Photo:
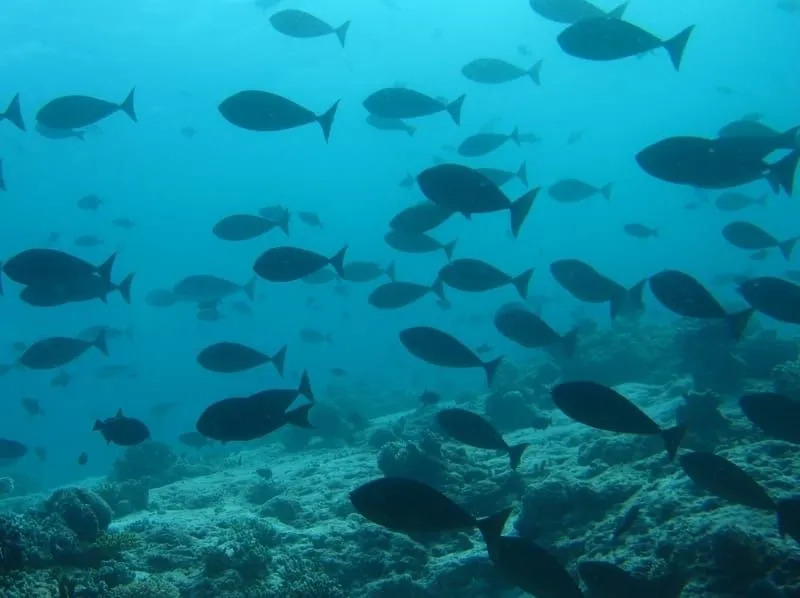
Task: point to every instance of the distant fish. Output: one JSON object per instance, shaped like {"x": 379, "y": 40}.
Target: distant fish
{"x": 161, "y": 409}
{"x": 685, "y": 296}
{"x": 419, "y": 218}
{"x": 83, "y": 459}
{"x": 397, "y": 294}
{"x": 525, "y": 328}
{"x": 11, "y": 450}
{"x": 367, "y": 271}
{"x": 570, "y": 11}
{"x": 428, "y": 397}
{"x": 321, "y": 276}
{"x": 209, "y": 289}
{"x": 481, "y": 144}
{"x": 285, "y": 264}
{"x": 726, "y": 480}
{"x": 61, "y": 380}
{"x": 603, "y": 408}
{"x": 227, "y": 357}
{"x": 586, "y": 284}
{"x": 90, "y": 202}
{"x": 493, "y": 71}
{"x": 54, "y": 352}
{"x": 122, "y": 430}
{"x": 602, "y": 38}
{"x": 476, "y": 276}
{"x": 296, "y": 23}
{"x": 123, "y": 222}
{"x": 264, "y": 111}
{"x": 31, "y": 406}
{"x": 408, "y": 182}
{"x": 338, "y": 372}
{"x": 747, "y": 127}
{"x": 188, "y": 131}
{"x": 640, "y": 231}
{"x": 733, "y": 201}
{"x": 242, "y": 308}
{"x": 116, "y": 370}
{"x": 13, "y": 113}
{"x": 391, "y": 124}
{"x": 441, "y": 349}
{"x": 310, "y": 218}
{"x": 500, "y": 177}
{"x": 417, "y": 243}
{"x": 746, "y": 235}
{"x": 775, "y": 297}
{"x": 243, "y": 227}
{"x": 315, "y": 337}
{"x": 77, "y": 112}
{"x": 573, "y": 190}
{"x": 575, "y": 136}
{"x": 465, "y": 190}
{"x": 160, "y": 298}
{"x": 472, "y": 429}
{"x": 88, "y": 241}
{"x": 483, "y": 348}
{"x": 403, "y": 103}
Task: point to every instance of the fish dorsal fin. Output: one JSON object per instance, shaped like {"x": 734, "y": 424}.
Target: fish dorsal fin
{"x": 119, "y": 413}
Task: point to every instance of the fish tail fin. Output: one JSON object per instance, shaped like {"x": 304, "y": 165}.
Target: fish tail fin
{"x": 780, "y": 175}
{"x": 104, "y": 269}
{"x": 249, "y": 288}
{"x": 305, "y": 387}
{"x": 675, "y": 46}
{"x": 448, "y": 249}
{"x": 127, "y": 106}
{"x": 738, "y": 321}
{"x": 279, "y": 359}
{"x": 789, "y": 139}
{"x": 535, "y": 71}
{"x": 514, "y": 136}
{"x": 454, "y": 108}
{"x": 786, "y": 247}
{"x": 635, "y": 295}
{"x": 569, "y": 341}
{"x": 391, "y": 272}
{"x": 283, "y": 223}
{"x": 341, "y": 32}
{"x": 605, "y": 191}
{"x": 438, "y": 288}
{"x": 100, "y": 342}
{"x": 325, "y": 120}
{"x": 515, "y": 453}
{"x": 522, "y": 173}
{"x": 299, "y": 417}
{"x": 337, "y": 261}
{"x": 14, "y": 113}
{"x": 618, "y": 11}
{"x": 521, "y": 282}
{"x": 491, "y": 369}
{"x": 672, "y": 439}
{"x": 125, "y": 288}
{"x": 519, "y": 210}
{"x": 98, "y": 425}
{"x": 491, "y": 527}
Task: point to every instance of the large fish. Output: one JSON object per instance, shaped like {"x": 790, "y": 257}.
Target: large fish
{"x": 243, "y": 227}
{"x": 11, "y": 449}
{"x": 746, "y": 235}
{"x": 228, "y": 357}
{"x": 726, "y": 480}
{"x": 777, "y": 415}
{"x": 481, "y": 144}
{"x": 473, "y": 430}
{"x": 122, "y": 430}
{"x": 208, "y": 289}
{"x": 420, "y": 218}
{"x": 285, "y": 264}
{"x": 403, "y": 103}
{"x": 417, "y": 243}
{"x": 13, "y": 113}
{"x": 77, "y": 112}
{"x": 476, "y": 276}
{"x": 50, "y": 267}
{"x": 775, "y": 297}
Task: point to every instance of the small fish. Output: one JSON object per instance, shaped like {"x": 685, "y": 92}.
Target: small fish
{"x": 242, "y": 308}
{"x": 726, "y": 480}
{"x": 83, "y": 459}
{"x": 518, "y": 324}
{"x": 573, "y": 190}
{"x": 640, "y": 231}
{"x": 53, "y": 352}
{"x": 188, "y": 131}
{"x": 404, "y": 103}
{"x": 122, "y": 430}
{"x": 88, "y": 241}
{"x": 299, "y": 24}
{"x": 471, "y": 275}
{"x": 392, "y": 124}
{"x": 775, "y": 297}
{"x": 205, "y": 289}
{"x": 90, "y": 202}
{"x": 585, "y": 283}
{"x": 483, "y": 348}
{"x": 428, "y": 397}
{"x": 285, "y": 264}
{"x": 243, "y": 227}
{"x": 123, "y": 222}
{"x": 500, "y": 177}
{"x": 49, "y": 133}
{"x": 161, "y": 409}
{"x": 408, "y": 181}
{"x": 310, "y": 218}
{"x": 394, "y": 295}
{"x": 338, "y": 372}
{"x": 11, "y": 449}
{"x": 484, "y": 143}
{"x": 472, "y": 429}
{"x": 32, "y": 406}
{"x": 61, "y": 380}
{"x": 733, "y": 201}
{"x": 210, "y": 315}
{"x": 417, "y": 243}
{"x": 420, "y": 217}
{"x": 494, "y": 71}
{"x": 194, "y": 439}
{"x": 40, "y": 453}
{"x": 367, "y": 271}
{"x": 77, "y": 112}
{"x": 746, "y": 235}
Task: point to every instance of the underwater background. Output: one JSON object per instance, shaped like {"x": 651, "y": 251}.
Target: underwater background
{"x": 182, "y": 167}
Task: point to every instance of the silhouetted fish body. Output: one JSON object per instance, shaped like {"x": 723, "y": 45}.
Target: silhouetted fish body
{"x": 77, "y": 112}
{"x": 243, "y": 227}
{"x": 394, "y": 295}
{"x": 285, "y": 264}
{"x": 774, "y": 297}
{"x": 525, "y": 328}
{"x": 726, "y": 480}
{"x": 586, "y": 284}
{"x": 473, "y": 430}
{"x": 477, "y": 276}
{"x": 417, "y": 243}
{"x": 494, "y": 71}
{"x": 11, "y": 449}
{"x": 746, "y": 235}
{"x": 122, "y": 430}
{"x": 570, "y": 11}
{"x": 403, "y": 103}
{"x": 53, "y": 352}
{"x": 777, "y": 415}
{"x": 300, "y": 24}
{"x": 420, "y": 218}
{"x": 227, "y": 357}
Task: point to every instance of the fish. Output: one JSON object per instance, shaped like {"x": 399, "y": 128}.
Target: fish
{"x": 481, "y": 144}
{"x": 606, "y": 580}
{"x": 733, "y": 201}
{"x": 285, "y": 264}
{"x": 53, "y": 352}
{"x": 123, "y": 222}
{"x": 439, "y": 348}
{"x": 471, "y": 429}
{"x": 367, "y": 271}
{"x": 684, "y": 295}
{"x": 49, "y": 267}
{"x": 159, "y": 410}
{"x": 41, "y": 453}
{"x": 775, "y": 297}
{"x": 188, "y": 131}
{"x": 257, "y": 110}
{"x": 522, "y": 326}
{"x": 575, "y": 136}
{"x": 88, "y": 241}
{"x": 122, "y": 430}
{"x": 570, "y": 11}
{"x": 396, "y": 294}
{"x": 746, "y": 235}
{"x": 419, "y": 218}
{"x": 640, "y": 231}
{"x": 494, "y": 71}
{"x": 255, "y": 416}
{"x": 465, "y": 190}
{"x": 31, "y": 406}
{"x": 228, "y": 357}
{"x": 90, "y": 202}
{"x": 573, "y": 190}
{"x": 296, "y": 23}
{"x": 404, "y": 103}
{"x": 13, "y": 113}
{"x": 11, "y": 449}
{"x": 75, "y": 291}
{"x": 585, "y": 283}
{"x": 483, "y": 348}
{"x": 603, "y": 408}
{"x": 417, "y": 243}
{"x": 61, "y": 380}
{"x": 160, "y": 298}
{"x": 747, "y": 127}
{"x": 83, "y": 459}
{"x": 476, "y": 276}
{"x": 428, "y": 397}
{"x": 601, "y": 38}
{"x": 309, "y": 335}
{"x": 500, "y": 177}
{"x": 338, "y": 372}
{"x": 776, "y": 415}
{"x": 209, "y": 289}
{"x": 49, "y": 133}
{"x": 311, "y": 219}
{"x": 391, "y": 124}
{"x": 531, "y": 568}
{"x": 78, "y": 111}
{"x": 194, "y": 440}
{"x": 408, "y": 506}
{"x": 243, "y": 227}
{"x": 726, "y": 480}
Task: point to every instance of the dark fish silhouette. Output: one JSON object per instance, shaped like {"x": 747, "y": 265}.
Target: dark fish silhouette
{"x": 573, "y": 190}
{"x": 77, "y": 290}
{"x": 465, "y": 190}
{"x": 481, "y": 144}
{"x": 256, "y": 110}
{"x": 586, "y": 284}
{"x": 420, "y": 217}
{"x": 500, "y": 177}
{"x": 394, "y": 295}
{"x": 606, "y": 580}
{"x": 403, "y": 103}
{"x": 525, "y": 328}
{"x": 603, "y": 408}
{"x": 208, "y": 290}
{"x": 59, "y": 133}
{"x": 160, "y": 298}
{"x": 227, "y": 357}
{"x": 640, "y": 231}
{"x": 315, "y": 337}
{"x": 417, "y": 243}
{"x": 285, "y": 264}
{"x": 685, "y": 296}
{"x": 61, "y": 380}
{"x": 775, "y": 297}
{"x": 777, "y": 415}
{"x": 477, "y": 276}
{"x": 603, "y": 38}
{"x": 77, "y": 112}
{"x": 296, "y": 23}
{"x": 789, "y": 518}
{"x": 54, "y": 352}
{"x": 473, "y": 430}
{"x": 439, "y": 348}
{"x": 494, "y": 70}
{"x": 243, "y": 227}
{"x": 11, "y": 449}
{"x": 90, "y": 202}
{"x": 322, "y": 276}
{"x": 310, "y": 218}
{"x": 428, "y": 397}
{"x": 13, "y": 113}
{"x": 83, "y": 459}
{"x": 570, "y": 11}
{"x": 122, "y": 430}
{"x": 367, "y": 271}
{"x": 726, "y": 480}
{"x": 746, "y": 235}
